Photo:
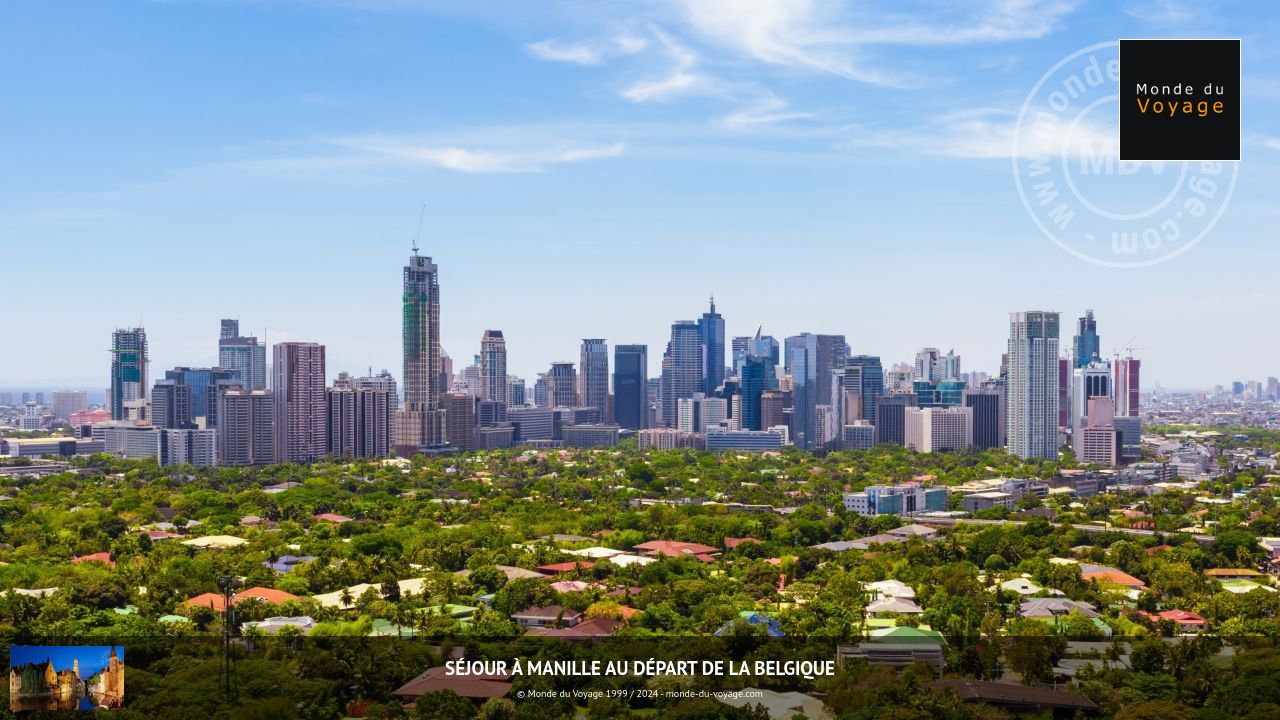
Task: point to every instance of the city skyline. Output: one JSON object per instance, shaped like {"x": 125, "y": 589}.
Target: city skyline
{"x": 638, "y": 154}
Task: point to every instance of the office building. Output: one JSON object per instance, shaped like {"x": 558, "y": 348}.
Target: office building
{"x": 927, "y": 369}
{"x": 128, "y": 369}
{"x": 988, "y": 406}
{"x": 562, "y": 385}
{"x": 720, "y": 439}
{"x": 131, "y": 440}
{"x": 630, "y": 386}
{"x": 244, "y": 356}
{"x": 591, "y": 435}
{"x": 711, "y": 338}
{"x": 593, "y": 375}
{"x": 189, "y": 446}
{"x": 171, "y": 405}
{"x": 1128, "y": 386}
{"x": 753, "y": 381}
{"x": 246, "y": 427}
{"x": 775, "y": 408}
{"x": 681, "y": 368}
{"x": 516, "y": 392}
{"x": 1097, "y": 440}
{"x": 1130, "y": 438}
{"x": 497, "y": 437}
{"x": 891, "y": 418}
{"x": 532, "y": 423}
{"x": 861, "y": 435}
{"x": 938, "y": 429}
{"x": 68, "y": 402}
{"x": 810, "y": 360}
{"x": 1065, "y": 369}
{"x": 460, "y": 421}
{"x": 298, "y": 388}
{"x": 1032, "y": 385}
{"x": 1087, "y": 382}
{"x": 865, "y": 375}
{"x": 949, "y": 367}
{"x": 202, "y": 382}
{"x": 1087, "y": 346}
{"x": 895, "y": 500}
{"x": 418, "y": 424}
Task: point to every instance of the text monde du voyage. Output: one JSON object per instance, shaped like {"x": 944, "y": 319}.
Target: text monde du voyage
{"x": 1180, "y": 99}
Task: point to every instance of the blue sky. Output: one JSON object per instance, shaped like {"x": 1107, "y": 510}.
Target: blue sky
{"x": 93, "y": 658}
{"x": 589, "y": 170}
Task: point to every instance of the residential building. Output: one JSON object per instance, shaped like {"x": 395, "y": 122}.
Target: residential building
{"x": 938, "y": 429}
{"x": 460, "y": 421}
{"x": 591, "y": 435}
{"x": 721, "y": 439}
{"x": 246, "y": 427}
{"x": 171, "y": 405}
{"x": 1032, "y": 384}
{"x": 859, "y": 436}
{"x": 1128, "y": 371}
{"x": 298, "y": 389}
{"x": 68, "y": 402}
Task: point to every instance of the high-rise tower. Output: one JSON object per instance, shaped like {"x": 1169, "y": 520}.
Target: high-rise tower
{"x": 301, "y": 412}
{"x": 593, "y": 375}
{"x": 1086, "y": 346}
{"x": 128, "y": 369}
{"x": 418, "y": 422}
{"x": 1032, "y": 385}
{"x": 493, "y": 367}
{"x": 711, "y": 338}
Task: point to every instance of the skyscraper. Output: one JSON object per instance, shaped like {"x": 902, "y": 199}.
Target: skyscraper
{"x": 1086, "y": 347}
{"x": 460, "y": 421}
{"x": 245, "y": 434}
{"x": 593, "y": 374}
{"x": 630, "y": 386}
{"x": 811, "y": 359}
{"x": 1087, "y": 382}
{"x": 871, "y": 386}
{"x": 988, "y": 406}
{"x": 753, "y": 381}
{"x": 242, "y": 355}
{"x": 681, "y": 368}
{"x": 68, "y": 402}
{"x": 128, "y": 369}
{"x": 171, "y": 405}
{"x": 1128, "y": 386}
{"x": 203, "y": 382}
{"x": 562, "y": 382}
{"x": 711, "y": 338}
{"x": 1032, "y": 386}
{"x": 300, "y": 413}
{"x": 417, "y": 423}
{"x": 891, "y": 418}
{"x": 493, "y": 367}
{"x": 928, "y": 368}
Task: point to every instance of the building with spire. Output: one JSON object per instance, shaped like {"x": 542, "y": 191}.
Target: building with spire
{"x": 1086, "y": 346}
{"x": 418, "y": 422}
{"x": 711, "y": 338}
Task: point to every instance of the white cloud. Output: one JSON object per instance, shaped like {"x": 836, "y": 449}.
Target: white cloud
{"x": 587, "y": 53}
{"x": 989, "y": 133}
{"x": 767, "y": 111}
{"x": 470, "y": 160}
{"x": 829, "y": 37}
{"x": 682, "y": 79}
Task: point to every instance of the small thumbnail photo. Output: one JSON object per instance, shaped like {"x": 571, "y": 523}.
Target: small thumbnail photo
{"x": 66, "y": 677}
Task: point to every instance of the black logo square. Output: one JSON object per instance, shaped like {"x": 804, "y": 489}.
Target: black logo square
{"x": 1179, "y": 99}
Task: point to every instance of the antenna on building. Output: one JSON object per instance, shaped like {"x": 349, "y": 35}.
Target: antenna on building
{"x": 418, "y": 234}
